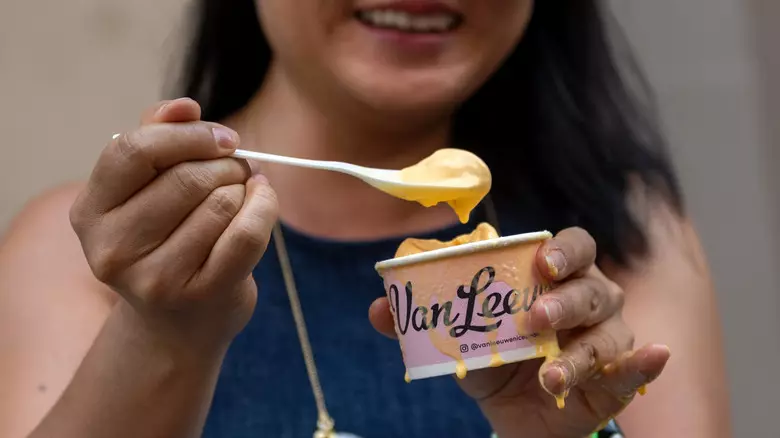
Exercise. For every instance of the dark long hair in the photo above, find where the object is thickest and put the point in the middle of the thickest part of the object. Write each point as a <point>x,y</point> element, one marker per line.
<point>567,124</point>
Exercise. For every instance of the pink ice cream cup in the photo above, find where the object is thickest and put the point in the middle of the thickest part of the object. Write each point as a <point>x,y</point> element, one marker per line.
<point>466,307</point>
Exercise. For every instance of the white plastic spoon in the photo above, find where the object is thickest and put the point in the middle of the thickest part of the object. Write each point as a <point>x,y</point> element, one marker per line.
<point>454,176</point>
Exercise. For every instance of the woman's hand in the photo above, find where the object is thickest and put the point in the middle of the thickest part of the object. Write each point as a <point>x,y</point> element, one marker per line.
<point>597,369</point>
<point>175,226</point>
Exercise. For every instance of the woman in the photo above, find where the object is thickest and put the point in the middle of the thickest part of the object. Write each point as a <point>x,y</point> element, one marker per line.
<point>150,311</point>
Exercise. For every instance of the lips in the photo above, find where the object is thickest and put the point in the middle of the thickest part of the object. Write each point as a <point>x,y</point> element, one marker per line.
<point>411,17</point>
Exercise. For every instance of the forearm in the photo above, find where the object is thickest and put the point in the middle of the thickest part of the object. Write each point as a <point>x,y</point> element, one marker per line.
<point>134,384</point>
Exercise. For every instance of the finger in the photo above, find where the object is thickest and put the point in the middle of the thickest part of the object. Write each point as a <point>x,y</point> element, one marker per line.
<point>581,302</point>
<point>632,373</point>
<point>583,355</point>
<point>139,226</point>
<point>382,318</point>
<point>612,389</point>
<point>571,253</point>
<point>134,159</point>
<point>149,115</point>
<point>244,242</point>
<point>176,260</point>
<point>172,111</point>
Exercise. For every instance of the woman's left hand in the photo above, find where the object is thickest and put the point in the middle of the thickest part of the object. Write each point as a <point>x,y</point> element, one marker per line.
<point>597,369</point>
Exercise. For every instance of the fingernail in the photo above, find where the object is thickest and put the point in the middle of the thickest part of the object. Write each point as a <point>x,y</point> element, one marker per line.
<point>638,377</point>
<point>649,370</point>
<point>555,375</point>
<point>162,108</point>
<point>554,311</point>
<point>259,178</point>
<point>226,138</point>
<point>556,262</point>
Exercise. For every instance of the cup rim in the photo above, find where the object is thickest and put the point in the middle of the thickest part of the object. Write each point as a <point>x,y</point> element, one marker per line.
<point>466,248</point>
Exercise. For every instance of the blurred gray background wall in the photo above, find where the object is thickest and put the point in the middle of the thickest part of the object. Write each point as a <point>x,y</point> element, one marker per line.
<point>715,65</point>
<point>73,73</point>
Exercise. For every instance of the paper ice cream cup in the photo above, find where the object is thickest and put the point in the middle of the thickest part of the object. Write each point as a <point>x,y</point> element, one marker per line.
<point>466,307</point>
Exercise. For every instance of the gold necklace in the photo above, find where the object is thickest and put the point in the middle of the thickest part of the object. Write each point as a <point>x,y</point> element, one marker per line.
<point>325,423</point>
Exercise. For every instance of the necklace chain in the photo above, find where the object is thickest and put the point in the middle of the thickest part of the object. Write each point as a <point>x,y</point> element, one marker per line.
<point>325,423</point>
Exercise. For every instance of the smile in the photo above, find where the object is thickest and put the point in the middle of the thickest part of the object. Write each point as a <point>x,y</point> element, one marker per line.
<point>432,22</point>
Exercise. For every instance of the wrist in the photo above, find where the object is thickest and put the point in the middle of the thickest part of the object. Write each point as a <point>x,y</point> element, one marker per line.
<point>160,339</point>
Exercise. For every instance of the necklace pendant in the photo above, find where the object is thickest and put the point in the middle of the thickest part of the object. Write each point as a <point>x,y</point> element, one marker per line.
<point>325,427</point>
<point>320,433</point>
<point>333,434</point>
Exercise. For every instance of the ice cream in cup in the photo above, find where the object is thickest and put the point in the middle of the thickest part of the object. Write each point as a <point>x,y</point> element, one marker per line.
<point>463,305</point>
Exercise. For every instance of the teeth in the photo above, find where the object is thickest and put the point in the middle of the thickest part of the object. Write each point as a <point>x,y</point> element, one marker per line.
<point>437,22</point>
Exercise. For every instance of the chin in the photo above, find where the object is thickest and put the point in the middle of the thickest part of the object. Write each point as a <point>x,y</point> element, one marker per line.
<point>436,90</point>
<point>402,100</point>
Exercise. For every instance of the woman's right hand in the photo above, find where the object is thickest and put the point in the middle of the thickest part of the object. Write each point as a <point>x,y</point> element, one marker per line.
<point>175,226</point>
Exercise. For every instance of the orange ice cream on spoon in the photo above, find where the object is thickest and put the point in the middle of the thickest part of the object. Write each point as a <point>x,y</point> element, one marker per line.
<point>455,176</point>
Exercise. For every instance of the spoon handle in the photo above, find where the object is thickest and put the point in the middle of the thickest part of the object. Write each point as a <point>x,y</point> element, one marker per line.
<point>292,161</point>
<point>366,174</point>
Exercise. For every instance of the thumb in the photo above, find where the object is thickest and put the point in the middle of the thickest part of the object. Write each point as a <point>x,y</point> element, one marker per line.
<point>172,111</point>
<point>381,318</point>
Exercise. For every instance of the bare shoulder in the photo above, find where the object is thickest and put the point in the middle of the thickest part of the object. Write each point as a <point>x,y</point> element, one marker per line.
<point>49,207</point>
<point>51,308</point>
<point>47,213</point>
<point>40,240</point>
<point>673,242</point>
<point>670,299</point>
